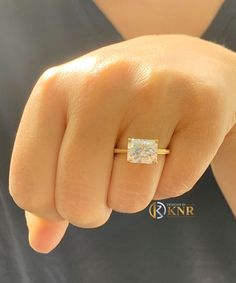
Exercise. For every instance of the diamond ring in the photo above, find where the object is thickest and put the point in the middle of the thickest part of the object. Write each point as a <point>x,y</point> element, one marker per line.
<point>142,150</point>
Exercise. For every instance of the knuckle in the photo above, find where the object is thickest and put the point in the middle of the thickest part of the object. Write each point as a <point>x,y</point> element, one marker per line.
<point>24,200</point>
<point>19,193</point>
<point>206,97</point>
<point>201,103</point>
<point>127,201</point>
<point>20,200</point>
<point>211,97</point>
<point>175,189</point>
<point>117,73</point>
<point>24,196</point>
<point>194,90</point>
<point>82,212</point>
<point>170,193</point>
<point>49,78</point>
<point>49,90</point>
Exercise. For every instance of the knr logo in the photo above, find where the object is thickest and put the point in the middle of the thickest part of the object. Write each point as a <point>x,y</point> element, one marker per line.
<point>186,210</point>
<point>158,210</point>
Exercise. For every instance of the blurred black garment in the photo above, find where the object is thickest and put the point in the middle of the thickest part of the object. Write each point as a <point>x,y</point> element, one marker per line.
<point>35,35</point>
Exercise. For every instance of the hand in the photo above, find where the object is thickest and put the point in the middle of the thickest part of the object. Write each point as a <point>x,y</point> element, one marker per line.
<point>176,88</point>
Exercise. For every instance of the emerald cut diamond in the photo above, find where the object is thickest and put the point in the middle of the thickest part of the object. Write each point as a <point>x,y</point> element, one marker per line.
<point>142,151</point>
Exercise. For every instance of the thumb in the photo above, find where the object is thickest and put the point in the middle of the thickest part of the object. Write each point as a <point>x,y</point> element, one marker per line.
<point>44,235</point>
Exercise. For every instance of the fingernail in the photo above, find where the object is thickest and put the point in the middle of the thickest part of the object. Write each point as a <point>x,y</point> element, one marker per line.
<point>29,238</point>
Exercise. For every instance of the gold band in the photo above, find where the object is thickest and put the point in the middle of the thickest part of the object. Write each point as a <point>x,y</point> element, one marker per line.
<point>159,151</point>
<point>141,150</point>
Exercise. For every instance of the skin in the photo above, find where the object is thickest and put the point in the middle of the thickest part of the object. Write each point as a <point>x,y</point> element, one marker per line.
<point>134,18</point>
<point>63,169</point>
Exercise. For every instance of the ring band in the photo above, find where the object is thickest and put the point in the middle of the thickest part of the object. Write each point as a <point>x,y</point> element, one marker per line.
<point>142,150</point>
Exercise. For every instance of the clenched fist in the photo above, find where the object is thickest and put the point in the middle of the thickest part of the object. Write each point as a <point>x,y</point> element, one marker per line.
<point>179,89</point>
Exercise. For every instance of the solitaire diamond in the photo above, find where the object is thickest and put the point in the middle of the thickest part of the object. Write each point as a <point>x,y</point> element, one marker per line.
<point>142,151</point>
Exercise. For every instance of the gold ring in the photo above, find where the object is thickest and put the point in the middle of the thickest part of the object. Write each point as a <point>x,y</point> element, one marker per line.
<point>142,150</point>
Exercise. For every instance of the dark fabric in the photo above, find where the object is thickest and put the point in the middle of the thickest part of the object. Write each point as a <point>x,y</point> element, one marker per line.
<point>223,28</point>
<point>35,35</point>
